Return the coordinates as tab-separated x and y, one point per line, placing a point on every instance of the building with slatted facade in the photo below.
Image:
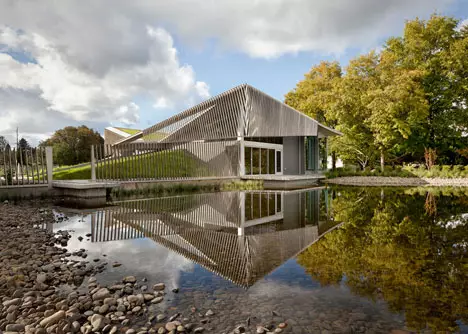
246	132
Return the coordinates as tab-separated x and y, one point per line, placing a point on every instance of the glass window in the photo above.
248	160
255	160
264	161
278	161
271	161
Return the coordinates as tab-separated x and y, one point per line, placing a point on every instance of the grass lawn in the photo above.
163	164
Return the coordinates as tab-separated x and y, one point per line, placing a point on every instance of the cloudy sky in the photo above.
134	63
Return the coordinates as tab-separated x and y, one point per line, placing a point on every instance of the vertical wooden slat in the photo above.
44	176
20	152
37	167
10	179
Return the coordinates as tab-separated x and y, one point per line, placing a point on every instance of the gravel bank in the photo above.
397	181
46	289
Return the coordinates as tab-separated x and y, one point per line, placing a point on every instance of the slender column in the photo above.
50	166
93	164
241	156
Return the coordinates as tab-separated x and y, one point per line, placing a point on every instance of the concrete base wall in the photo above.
32	191
289	184
130	185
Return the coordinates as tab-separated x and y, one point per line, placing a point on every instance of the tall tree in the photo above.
439	51
23	144
72	145
3	143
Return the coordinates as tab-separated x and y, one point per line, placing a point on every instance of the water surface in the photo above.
338	260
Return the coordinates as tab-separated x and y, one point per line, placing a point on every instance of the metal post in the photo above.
241	156
50	166
93	164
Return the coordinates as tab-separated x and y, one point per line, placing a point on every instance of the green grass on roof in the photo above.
129	131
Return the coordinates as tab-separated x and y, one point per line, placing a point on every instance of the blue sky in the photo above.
136	63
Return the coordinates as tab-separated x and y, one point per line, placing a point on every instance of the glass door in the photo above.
279	162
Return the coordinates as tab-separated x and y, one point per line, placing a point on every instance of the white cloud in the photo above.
84	70
91	58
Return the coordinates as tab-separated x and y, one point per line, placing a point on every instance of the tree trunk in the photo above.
382	161
333	160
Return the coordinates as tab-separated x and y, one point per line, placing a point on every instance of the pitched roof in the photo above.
242	111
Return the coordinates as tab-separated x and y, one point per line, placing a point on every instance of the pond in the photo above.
336	260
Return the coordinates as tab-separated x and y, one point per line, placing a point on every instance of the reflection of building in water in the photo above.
241	236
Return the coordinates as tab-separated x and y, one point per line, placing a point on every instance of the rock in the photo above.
198	330
159	287
75	327
53	319
180	328
88	235
136	299
130	331
278	330
144	288
282	325
110	301
175	290
160	317
113	330
174	317
129	279
136	309
157	300
209	313
104	308
170	326
116	264
239	329
101	294
98	322
14	328
80	238
261	330
15	301
41	278
161	330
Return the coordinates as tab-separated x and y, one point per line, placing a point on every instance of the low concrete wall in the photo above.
28	191
130	185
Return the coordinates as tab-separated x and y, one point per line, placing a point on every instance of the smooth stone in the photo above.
159	287
129	279
160	317
283	325
101	294
53	319
14	328
170	326
180	328
198	330
209	313
157	300
98	322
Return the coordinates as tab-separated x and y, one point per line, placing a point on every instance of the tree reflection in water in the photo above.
407	247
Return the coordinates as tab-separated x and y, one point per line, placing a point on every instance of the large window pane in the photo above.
255	161
264	162
278	161
271	161
248	160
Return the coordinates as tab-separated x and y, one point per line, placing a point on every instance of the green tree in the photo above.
3	143
439	51
23	144
72	145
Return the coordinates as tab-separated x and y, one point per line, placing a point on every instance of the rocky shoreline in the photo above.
44	288
370	181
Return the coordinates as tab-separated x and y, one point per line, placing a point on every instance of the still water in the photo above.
336	260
